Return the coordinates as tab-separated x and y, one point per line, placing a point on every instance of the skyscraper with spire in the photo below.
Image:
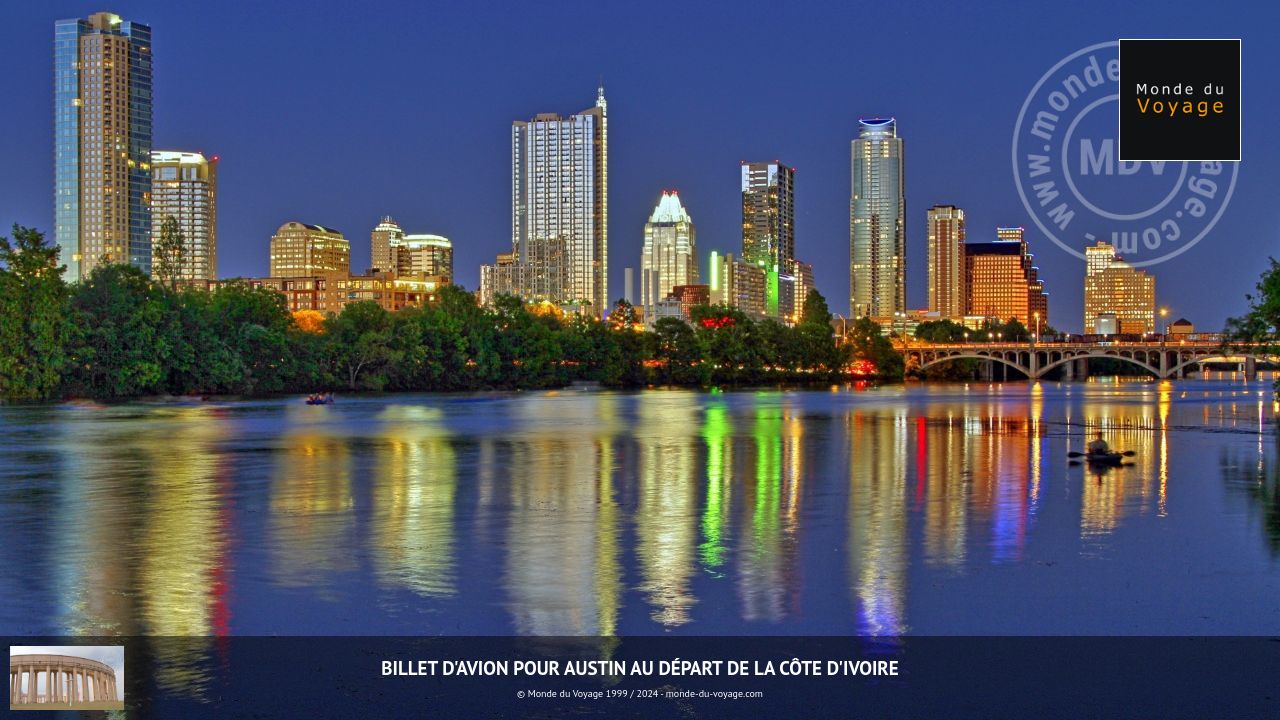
559	211
877	222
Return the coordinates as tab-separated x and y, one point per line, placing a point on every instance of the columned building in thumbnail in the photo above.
184	186
877	222
669	257
560	209
102	142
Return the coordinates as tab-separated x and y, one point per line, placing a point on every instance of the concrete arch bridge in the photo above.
1167	359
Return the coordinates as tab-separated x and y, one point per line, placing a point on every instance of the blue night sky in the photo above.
336	113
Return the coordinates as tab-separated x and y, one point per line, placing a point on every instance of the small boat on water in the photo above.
1111	458
320	399
1107	458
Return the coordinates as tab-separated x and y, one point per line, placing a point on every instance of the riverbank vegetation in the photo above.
118	334
1261	324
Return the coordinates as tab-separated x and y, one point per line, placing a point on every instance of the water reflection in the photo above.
605	514
666	510
145	527
413	500
878	521
1256	478
563	572
312	525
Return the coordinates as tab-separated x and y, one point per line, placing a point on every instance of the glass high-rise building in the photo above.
768	215
669	256
946	261
560	208
877	222
184	186
102	142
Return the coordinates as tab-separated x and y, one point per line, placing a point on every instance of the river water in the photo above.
919	509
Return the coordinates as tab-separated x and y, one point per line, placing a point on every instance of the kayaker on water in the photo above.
1098	446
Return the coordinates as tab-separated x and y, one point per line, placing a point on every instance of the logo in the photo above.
1071	180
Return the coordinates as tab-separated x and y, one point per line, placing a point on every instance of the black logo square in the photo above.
1179	100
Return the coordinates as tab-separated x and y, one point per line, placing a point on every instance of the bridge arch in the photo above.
940	358
1221	358
1099	356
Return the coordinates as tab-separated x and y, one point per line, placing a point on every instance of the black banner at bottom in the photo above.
694	677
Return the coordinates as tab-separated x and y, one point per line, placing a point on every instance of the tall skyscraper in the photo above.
768	214
1002	282
102	142
184	186
877	222
560	208
946	261
385	236
299	250
1114	287
669	257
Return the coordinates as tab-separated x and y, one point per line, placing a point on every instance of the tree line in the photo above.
119	334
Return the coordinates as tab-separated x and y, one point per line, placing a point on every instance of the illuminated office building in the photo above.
298	250
386	235
560	209
946	261
738	284
393	251
768	214
102	142
184	186
877	222
425	255
803	274
768	231
1112	285
669	256
1002	282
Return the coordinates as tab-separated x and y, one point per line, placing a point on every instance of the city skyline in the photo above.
654	147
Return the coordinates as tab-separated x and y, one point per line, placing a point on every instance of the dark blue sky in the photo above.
336	113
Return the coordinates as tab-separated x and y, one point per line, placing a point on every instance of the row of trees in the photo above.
1260	326
119	334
